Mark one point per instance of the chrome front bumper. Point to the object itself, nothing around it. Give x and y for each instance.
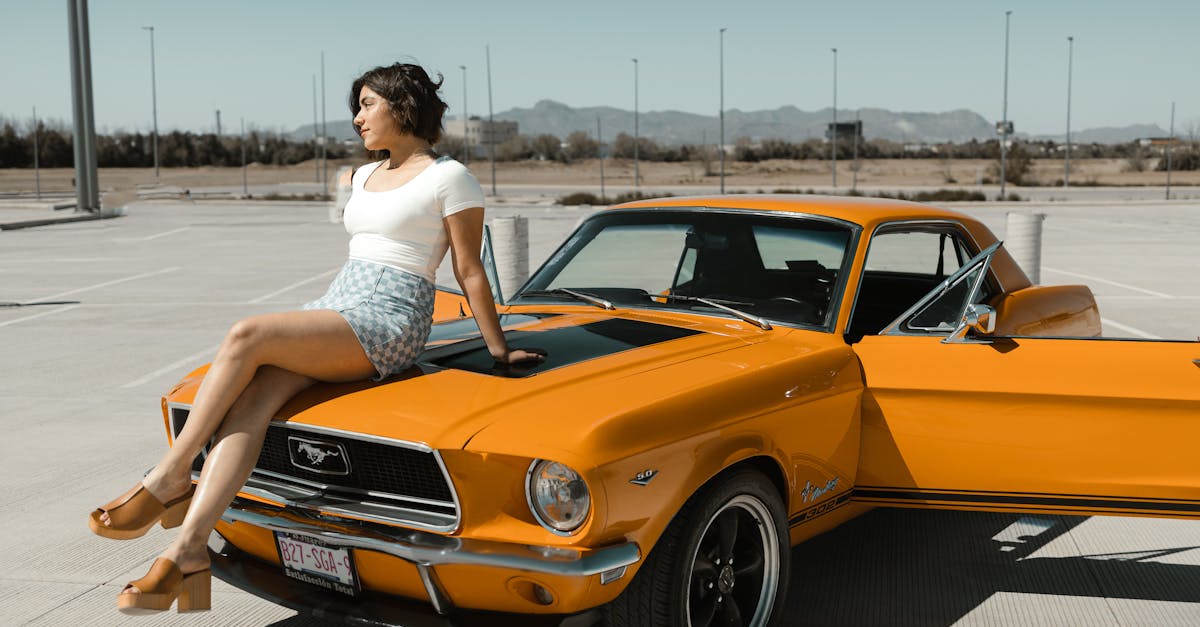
(427, 550)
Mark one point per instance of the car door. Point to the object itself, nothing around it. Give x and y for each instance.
(954, 419)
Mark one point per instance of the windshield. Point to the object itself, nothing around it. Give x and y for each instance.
(780, 268)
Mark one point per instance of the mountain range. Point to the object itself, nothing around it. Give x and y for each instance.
(787, 123)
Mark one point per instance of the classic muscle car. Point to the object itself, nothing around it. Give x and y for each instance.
(727, 376)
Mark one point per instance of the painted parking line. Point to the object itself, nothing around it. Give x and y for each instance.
(38, 315)
(156, 235)
(293, 286)
(1128, 329)
(1089, 277)
(88, 288)
(171, 367)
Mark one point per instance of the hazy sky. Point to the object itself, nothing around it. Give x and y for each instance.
(256, 58)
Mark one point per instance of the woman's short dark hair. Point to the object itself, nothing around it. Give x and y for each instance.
(411, 95)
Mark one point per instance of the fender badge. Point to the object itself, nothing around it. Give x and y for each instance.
(644, 477)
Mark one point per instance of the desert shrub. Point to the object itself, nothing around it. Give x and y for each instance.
(583, 198)
(1188, 159)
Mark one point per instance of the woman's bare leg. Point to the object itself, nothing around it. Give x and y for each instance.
(318, 344)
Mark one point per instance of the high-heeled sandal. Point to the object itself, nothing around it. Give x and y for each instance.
(132, 514)
(162, 586)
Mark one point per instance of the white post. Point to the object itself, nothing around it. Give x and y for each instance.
(1024, 241)
(338, 208)
(510, 240)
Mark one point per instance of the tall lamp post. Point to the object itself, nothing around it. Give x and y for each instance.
(153, 98)
(636, 175)
(491, 129)
(833, 129)
(1067, 162)
(466, 120)
(721, 146)
(324, 133)
(316, 136)
(1004, 113)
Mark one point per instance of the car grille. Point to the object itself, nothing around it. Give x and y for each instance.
(386, 480)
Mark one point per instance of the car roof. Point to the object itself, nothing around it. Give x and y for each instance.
(866, 212)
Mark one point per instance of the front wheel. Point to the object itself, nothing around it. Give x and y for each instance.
(723, 560)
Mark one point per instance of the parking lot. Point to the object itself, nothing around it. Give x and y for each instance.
(142, 299)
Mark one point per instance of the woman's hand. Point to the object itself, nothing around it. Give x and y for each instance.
(523, 356)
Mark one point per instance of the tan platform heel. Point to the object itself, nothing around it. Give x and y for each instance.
(132, 514)
(162, 586)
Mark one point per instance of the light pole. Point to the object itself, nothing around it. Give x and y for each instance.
(1067, 162)
(324, 133)
(466, 120)
(833, 129)
(153, 98)
(1170, 145)
(491, 130)
(600, 153)
(636, 175)
(37, 171)
(316, 136)
(1004, 113)
(721, 146)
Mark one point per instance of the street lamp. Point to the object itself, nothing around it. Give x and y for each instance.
(833, 129)
(153, 98)
(466, 120)
(1004, 112)
(721, 146)
(1067, 162)
(636, 175)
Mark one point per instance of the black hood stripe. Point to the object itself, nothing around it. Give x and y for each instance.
(564, 345)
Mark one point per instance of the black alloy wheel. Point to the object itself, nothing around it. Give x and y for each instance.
(735, 568)
(723, 561)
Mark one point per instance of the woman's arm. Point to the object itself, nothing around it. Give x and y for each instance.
(465, 229)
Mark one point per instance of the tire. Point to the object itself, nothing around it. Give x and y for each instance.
(738, 515)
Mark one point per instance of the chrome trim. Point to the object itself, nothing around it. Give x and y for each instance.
(421, 547)
(274, 486)
(355, 435)
(435, 589)
(537, 515)
(340, 449)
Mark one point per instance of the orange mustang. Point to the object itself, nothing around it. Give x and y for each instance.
(727, 377)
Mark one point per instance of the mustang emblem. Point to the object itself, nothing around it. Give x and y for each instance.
(318, 456)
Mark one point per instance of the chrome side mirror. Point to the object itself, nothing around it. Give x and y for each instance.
(980, 319)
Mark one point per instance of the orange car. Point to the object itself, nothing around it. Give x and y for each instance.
(726, 377)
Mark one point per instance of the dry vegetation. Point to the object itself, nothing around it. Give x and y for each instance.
(121, 184)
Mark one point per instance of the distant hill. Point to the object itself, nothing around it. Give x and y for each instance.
(788, 123)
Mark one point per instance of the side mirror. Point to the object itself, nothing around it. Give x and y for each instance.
(980, 319)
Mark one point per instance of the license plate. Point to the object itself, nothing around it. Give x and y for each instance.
(317, 563)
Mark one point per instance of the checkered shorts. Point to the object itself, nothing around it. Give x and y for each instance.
(390, 311)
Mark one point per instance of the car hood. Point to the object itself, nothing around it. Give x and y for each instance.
(455, 390)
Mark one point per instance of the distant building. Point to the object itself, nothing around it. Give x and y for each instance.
(480, 133)
(846, 131)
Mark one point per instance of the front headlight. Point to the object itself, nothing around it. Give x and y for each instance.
(557, 496)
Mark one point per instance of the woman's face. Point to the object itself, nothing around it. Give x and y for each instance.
(374, 121)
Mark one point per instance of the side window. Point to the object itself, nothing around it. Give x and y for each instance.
(916, 252)
(902, 266)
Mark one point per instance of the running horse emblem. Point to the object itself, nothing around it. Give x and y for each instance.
(315, 454)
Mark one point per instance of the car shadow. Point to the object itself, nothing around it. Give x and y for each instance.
(918, 567)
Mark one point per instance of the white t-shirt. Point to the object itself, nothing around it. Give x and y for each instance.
(402, 227)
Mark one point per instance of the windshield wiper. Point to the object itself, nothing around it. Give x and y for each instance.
(583, 296)
(720, 304)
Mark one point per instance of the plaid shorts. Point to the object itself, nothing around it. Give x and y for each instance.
(390, 311)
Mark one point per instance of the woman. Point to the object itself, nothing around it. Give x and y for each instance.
(403, 214)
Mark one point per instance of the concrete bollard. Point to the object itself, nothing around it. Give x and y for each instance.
(510, 242)
(1024, 241)
(338, 208)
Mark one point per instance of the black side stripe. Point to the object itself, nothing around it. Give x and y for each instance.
(867, 494)
(993, 501)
